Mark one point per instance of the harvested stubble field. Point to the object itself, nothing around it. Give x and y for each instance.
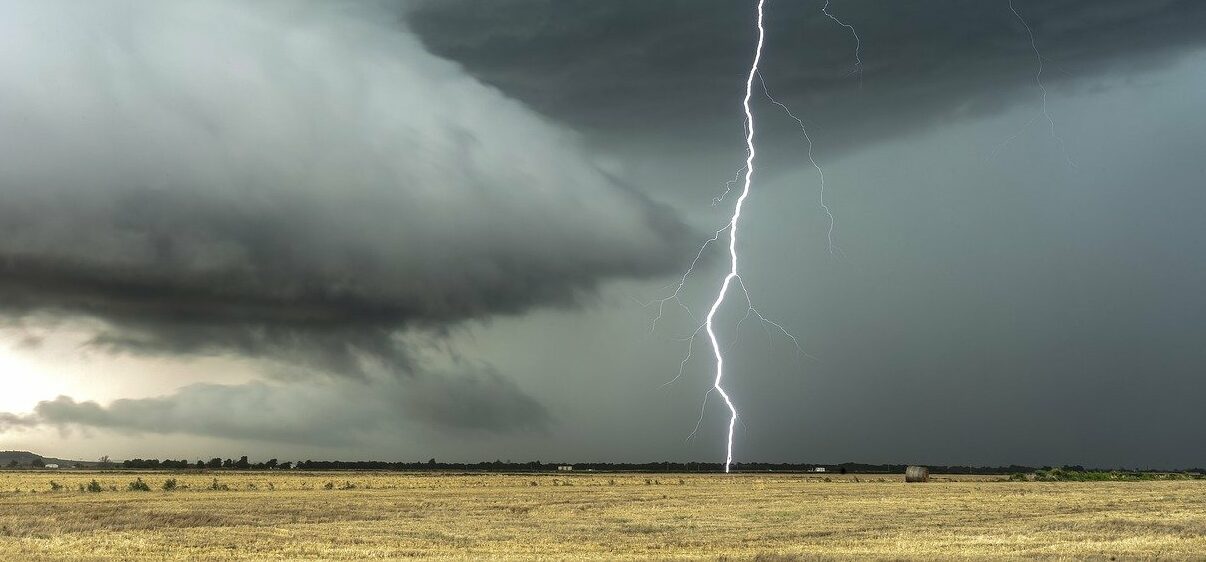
(357, 515)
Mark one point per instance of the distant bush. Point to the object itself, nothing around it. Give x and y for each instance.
(1069, 474)
(138, 486)
(169, 484)
(217, 486)
(55, 486)
(346, 485)
(1018, 477)
(94, 486)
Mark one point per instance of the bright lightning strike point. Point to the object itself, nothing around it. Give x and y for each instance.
(732, 275)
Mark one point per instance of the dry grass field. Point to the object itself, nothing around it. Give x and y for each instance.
(353, 516)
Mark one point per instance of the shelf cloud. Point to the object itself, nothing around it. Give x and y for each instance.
(297, 180)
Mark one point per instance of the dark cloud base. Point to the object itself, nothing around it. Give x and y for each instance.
(635, 68)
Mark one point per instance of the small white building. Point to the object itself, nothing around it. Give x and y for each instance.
(819, 469)
(565, 467)
(52, 466)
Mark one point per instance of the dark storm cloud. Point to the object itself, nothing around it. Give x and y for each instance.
(984, 309)
(299, 181)
(672, 68)
(303, 183)
(307, 413)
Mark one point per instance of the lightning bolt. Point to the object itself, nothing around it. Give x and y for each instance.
(820, 173)
(858, 69)
(744, 177)
(858, 43)
(734, 222)
(1038, 79)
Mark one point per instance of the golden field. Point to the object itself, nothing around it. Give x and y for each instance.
(285, 515)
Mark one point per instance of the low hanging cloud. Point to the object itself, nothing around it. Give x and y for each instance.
(295, 180)
(473, 401)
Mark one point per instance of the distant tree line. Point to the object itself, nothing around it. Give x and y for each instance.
(215, 463)
(537, 466)
(243, 463)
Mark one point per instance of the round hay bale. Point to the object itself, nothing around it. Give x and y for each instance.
(917, 474)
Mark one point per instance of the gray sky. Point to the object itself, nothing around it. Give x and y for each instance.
(377, 230)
